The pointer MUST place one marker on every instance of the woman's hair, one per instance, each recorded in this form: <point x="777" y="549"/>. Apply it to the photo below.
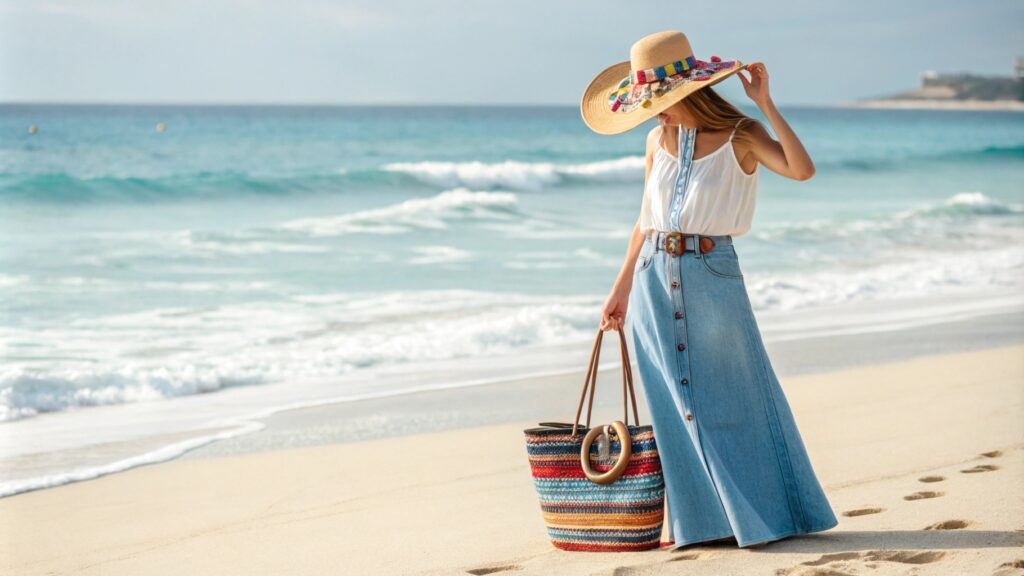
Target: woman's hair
<point x="713" y="112"/>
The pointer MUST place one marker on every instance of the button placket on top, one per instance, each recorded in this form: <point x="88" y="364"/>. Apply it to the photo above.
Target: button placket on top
<point x="684" y="161"/>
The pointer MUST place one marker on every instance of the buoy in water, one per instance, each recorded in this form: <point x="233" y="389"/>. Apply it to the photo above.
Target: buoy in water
<point x="32" y="129"/>
<point x="160" y="127"/>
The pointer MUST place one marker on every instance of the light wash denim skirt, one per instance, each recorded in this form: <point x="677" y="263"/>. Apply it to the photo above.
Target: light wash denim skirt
<point x="733" y="460"/>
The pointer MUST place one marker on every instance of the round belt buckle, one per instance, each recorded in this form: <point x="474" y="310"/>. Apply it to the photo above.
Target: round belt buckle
<point x="674" y="243"/>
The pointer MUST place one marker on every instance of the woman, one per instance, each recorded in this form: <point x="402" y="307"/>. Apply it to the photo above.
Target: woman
<point x="734" y="464"/>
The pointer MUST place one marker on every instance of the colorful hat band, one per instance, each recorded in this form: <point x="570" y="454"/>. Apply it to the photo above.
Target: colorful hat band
<point x="635" y="90"/>
<point x="659" y="72"/>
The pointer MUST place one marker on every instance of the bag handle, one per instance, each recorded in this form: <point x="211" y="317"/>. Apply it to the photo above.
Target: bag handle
<point x="591" y="382"/>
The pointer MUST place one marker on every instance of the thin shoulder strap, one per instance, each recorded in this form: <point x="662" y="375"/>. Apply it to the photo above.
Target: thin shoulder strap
<point x="734" y="129"/>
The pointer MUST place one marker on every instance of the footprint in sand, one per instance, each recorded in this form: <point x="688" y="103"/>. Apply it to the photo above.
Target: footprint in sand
<point x="949" y="525"/>
<point x="863" y="511"/>
<point x="931" y="478"/>
<point x="981" y="468"/>
<point x="836" y="564"/>
<point x="688" y="556"/>
<point x="493" y="569"/>
<point x="992" y="454"/>
<point x="1009" y="568"/>
<point x="836" y="557"/>
<point x="921" y="495"/>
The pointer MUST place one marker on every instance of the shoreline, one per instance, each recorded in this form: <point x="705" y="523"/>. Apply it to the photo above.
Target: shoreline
<point x="461" y="500"/>
<point x="554" y="397"/>
<point x="457" y="401"/>
<point x="924" y="104"/>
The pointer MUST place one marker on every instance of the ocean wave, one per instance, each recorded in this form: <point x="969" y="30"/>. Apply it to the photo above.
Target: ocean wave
<point x="432" y="212"/>
<point x="7" y="280"/>
<point x="64" y="188"/>
<point x="23" y="392"/>
<point x="927" y="220"/>
<point x="534" y="176"/>
<point x="167" y="353"/>
<point x="112" y="249"/>
<point x="966" y="241"/>
<point x="438" y="255"/>
<point x="900" y="161"/>
<point x="65" y="286"/>
<point x="520" y="175"/>
<point x="1016" y="152"/>
<point x="909" y="276"/>
<point x="965" y="203"/>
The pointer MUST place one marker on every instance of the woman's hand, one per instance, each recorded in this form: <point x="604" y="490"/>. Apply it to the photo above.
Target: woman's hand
<point x="613" y="315"/>
<point x="757" y="87"/>
<point x="787" y="156"/>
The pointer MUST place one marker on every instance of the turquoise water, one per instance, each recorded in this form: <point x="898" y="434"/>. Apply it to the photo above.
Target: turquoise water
<point x="261" y="245"/>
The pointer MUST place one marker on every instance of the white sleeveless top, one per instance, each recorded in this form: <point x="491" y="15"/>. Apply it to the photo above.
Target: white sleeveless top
<point x="720" y="197"/>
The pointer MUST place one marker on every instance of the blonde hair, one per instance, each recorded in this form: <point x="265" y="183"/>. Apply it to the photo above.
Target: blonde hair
<point x="714" y="113"/>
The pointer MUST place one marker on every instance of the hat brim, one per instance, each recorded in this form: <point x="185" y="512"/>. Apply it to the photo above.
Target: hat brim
<point x="599" y="116"/>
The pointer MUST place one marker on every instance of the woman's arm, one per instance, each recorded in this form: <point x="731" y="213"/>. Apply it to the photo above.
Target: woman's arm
<point x="636" y="239"/>
<point x="787" y="156"/>
<point x="613" y="315"/>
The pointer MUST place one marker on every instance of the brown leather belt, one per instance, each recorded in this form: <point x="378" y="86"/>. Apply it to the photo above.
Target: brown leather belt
<point x="675" y="243"/>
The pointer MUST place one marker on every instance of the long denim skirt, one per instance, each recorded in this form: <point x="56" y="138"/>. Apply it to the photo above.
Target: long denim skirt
<point x="733" y="460"/>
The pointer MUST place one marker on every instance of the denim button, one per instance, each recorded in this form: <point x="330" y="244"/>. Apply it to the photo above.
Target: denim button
<point x="681" y="347"/>
<point x="685" y="381"/>
<point x="675" y="284"/>
<point x="689" y="416"/>
<point x="679" y="314"/>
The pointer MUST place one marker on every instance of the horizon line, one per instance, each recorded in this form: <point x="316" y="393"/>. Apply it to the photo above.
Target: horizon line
<point x="313" y="104"/>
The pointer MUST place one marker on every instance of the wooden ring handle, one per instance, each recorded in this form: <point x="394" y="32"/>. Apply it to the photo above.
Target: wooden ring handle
<point x="624" y="453"/>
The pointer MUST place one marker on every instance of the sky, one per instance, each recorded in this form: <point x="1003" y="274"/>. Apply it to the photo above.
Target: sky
<point x="817" y="52"/>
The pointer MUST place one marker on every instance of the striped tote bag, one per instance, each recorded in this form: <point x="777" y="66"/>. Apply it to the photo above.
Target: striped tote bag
<point x="601" y="488"/>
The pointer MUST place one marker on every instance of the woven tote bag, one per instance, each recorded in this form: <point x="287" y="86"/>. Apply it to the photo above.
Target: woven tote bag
<point x="601" y="488"/>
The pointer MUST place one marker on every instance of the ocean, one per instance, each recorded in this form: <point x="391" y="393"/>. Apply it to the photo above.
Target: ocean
<point x="249" y="259"/>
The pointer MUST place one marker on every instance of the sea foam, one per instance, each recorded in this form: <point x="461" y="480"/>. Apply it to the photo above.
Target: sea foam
<point x="519" y="175"/>
<point x="433" y="212"/>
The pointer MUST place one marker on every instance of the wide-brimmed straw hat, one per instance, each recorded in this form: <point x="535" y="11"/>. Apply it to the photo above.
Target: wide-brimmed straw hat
<point x="661" y="71"/>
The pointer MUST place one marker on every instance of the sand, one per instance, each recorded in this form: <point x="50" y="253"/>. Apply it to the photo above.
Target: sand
<point x="922" y="460"/>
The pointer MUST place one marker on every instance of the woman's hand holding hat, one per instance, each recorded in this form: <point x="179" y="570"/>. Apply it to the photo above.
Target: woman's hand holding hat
<point x="757" y="87"/>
